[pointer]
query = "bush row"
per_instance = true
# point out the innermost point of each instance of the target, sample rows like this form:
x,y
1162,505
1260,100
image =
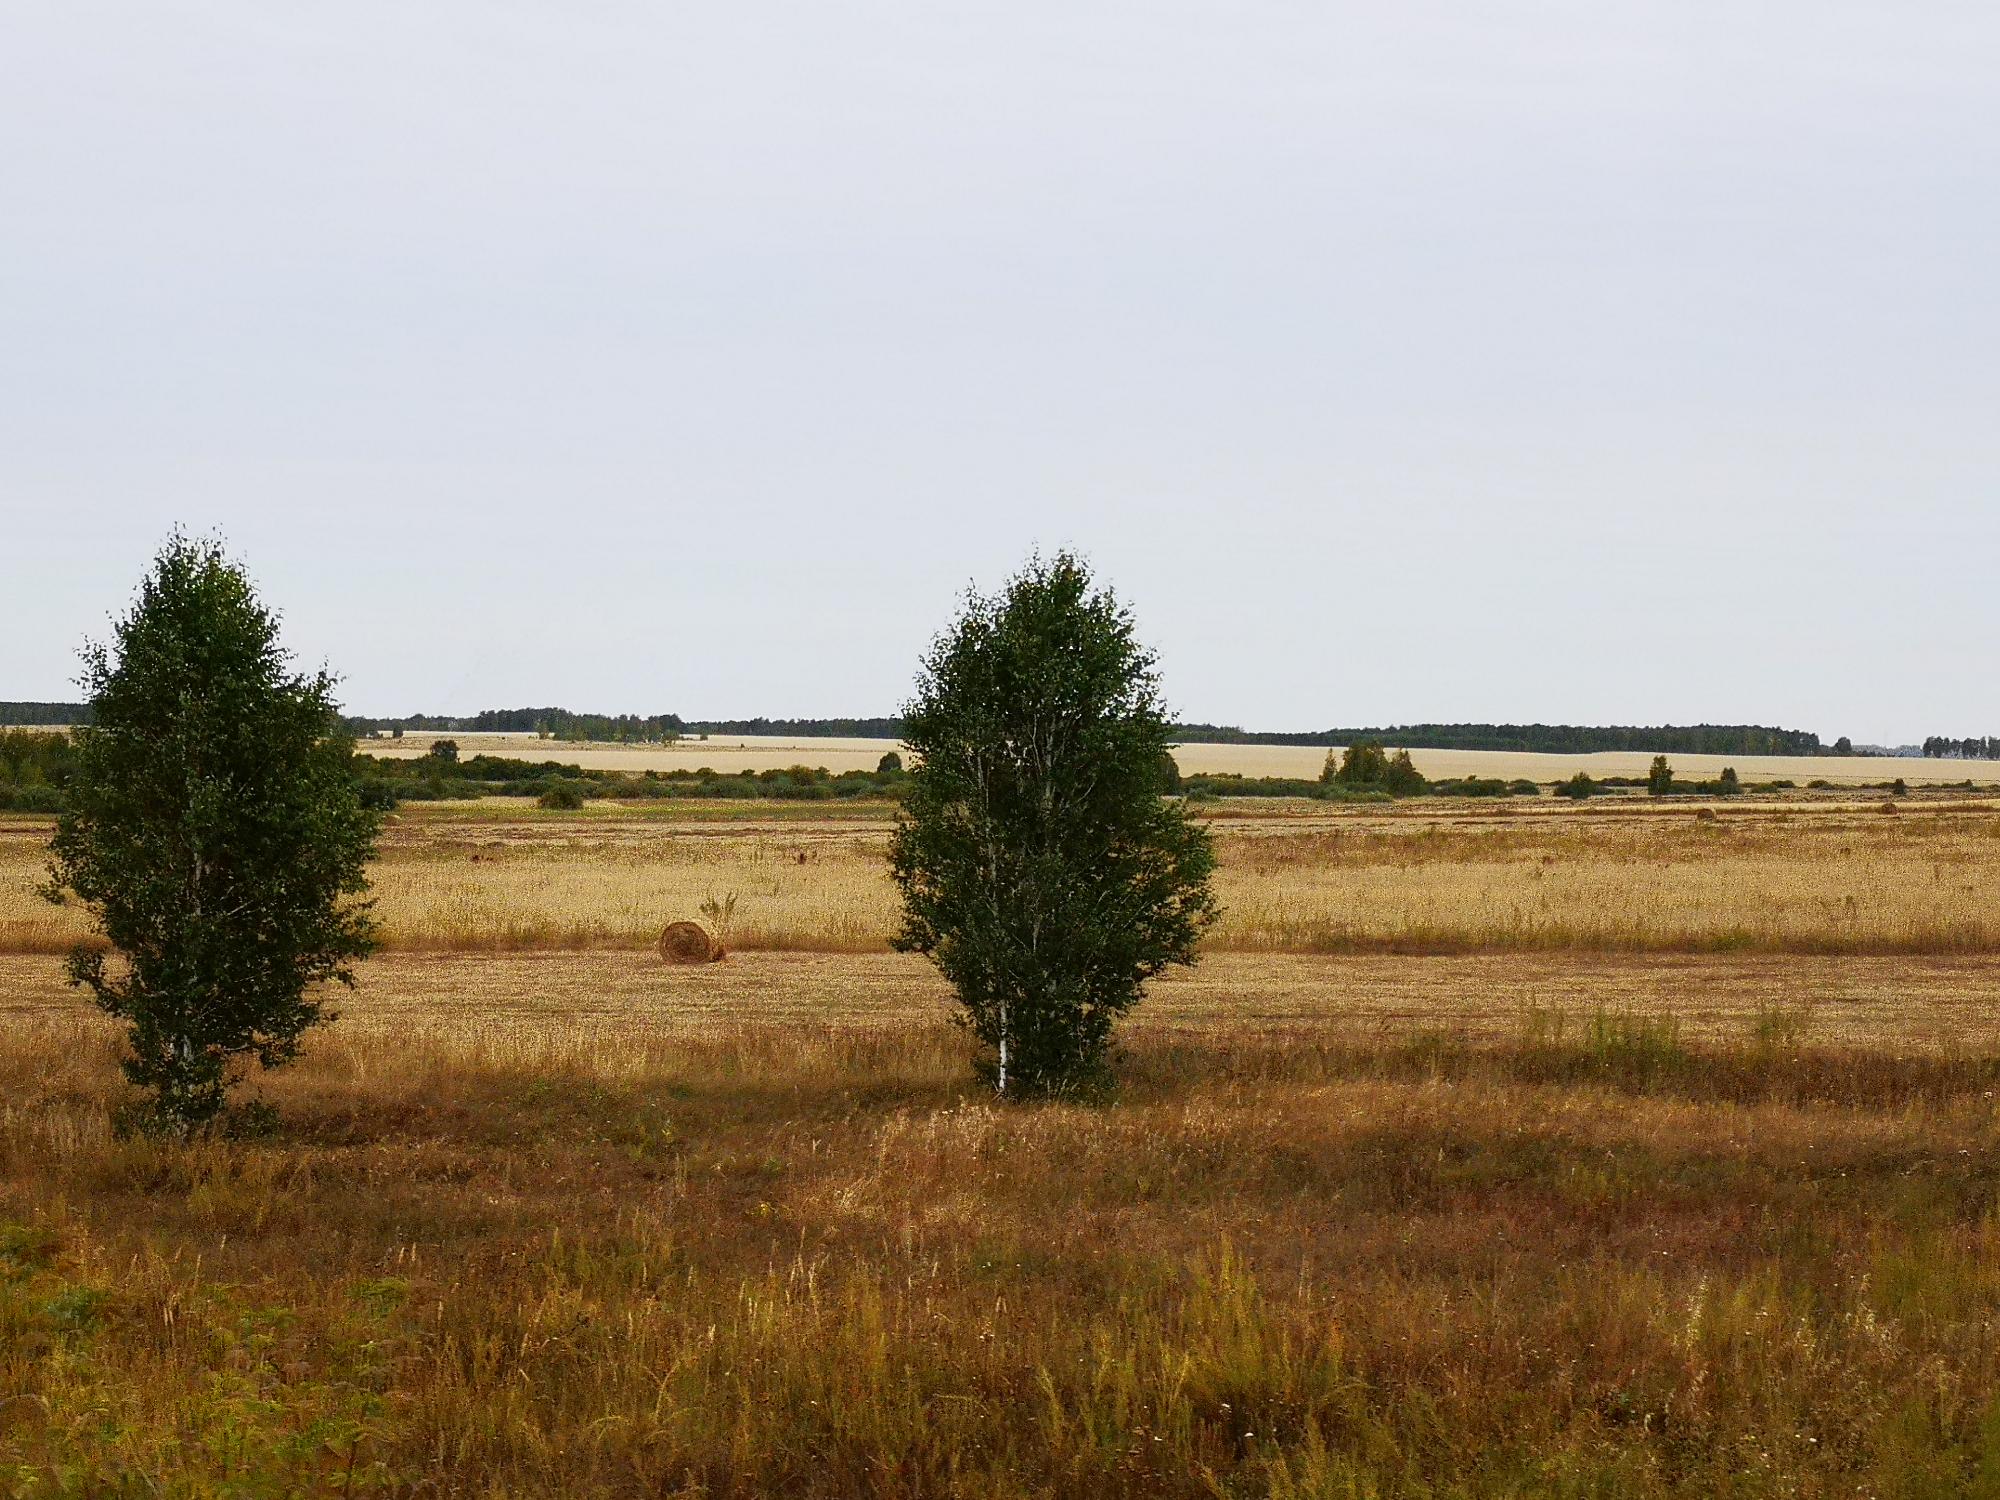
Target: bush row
x,y
434,778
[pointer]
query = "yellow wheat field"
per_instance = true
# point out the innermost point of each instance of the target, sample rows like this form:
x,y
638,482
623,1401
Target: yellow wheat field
x,y
1607,877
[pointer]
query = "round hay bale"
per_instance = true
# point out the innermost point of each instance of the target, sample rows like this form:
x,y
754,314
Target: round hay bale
x,y
689,943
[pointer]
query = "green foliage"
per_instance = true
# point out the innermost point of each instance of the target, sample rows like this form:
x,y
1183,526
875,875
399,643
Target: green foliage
x,y
1367,766
565,795
33,768
31,759
444,750
386,781
216,832
1485,786
31,799
1578,787
1210,784
891,764
1040,867
1727,784
1660,779
1401,778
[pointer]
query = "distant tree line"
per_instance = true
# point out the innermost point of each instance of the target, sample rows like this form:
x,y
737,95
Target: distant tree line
x,y
18,715
889,728
1548,739
1972,747
550,723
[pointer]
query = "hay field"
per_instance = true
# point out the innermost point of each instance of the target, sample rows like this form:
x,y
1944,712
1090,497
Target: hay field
x,y
559,1223
1430,877
1559,1201
762,753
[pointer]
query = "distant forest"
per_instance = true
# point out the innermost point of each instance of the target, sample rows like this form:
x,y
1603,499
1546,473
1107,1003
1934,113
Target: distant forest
x,y
1550,739
1553,739
553,723
21,715
1972,747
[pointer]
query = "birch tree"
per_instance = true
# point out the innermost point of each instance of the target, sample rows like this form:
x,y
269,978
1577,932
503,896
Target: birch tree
x,y
216,833
1041,867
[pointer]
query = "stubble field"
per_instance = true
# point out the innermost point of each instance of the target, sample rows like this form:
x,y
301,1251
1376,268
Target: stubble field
x,y
1610,1150
1626,875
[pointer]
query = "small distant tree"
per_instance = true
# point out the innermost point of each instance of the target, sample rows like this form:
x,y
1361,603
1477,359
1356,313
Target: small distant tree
x,y
1843,746
1401,778
561,795
1365,764
216,831
891,764
1727,783
444,750
1577,788
1041,869
1660,779
396,733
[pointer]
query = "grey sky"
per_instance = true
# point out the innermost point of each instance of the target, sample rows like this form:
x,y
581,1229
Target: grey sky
x,y
1566,361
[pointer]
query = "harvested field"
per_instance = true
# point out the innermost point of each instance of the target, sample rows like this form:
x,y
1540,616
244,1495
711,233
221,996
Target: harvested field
x,y
1664,1168
1629,875
558,1223
603,1001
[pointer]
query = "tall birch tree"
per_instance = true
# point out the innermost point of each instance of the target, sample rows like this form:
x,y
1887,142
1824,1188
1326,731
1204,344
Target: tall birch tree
x,y
1042,868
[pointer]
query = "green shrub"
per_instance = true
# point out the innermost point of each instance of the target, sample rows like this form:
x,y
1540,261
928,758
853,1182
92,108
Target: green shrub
x,y
1401,778
564,796
1365,764
31,799
1484,786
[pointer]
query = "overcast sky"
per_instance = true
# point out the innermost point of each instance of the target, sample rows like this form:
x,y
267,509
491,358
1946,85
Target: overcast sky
x,y
1559,361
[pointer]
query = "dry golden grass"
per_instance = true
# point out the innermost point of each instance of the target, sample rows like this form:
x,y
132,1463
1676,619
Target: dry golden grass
x,y
1492,1151
1628,876
573,1224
